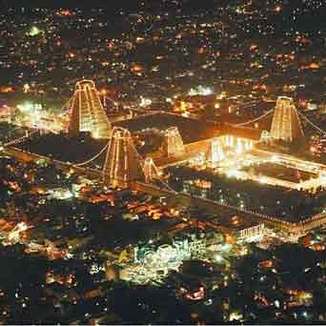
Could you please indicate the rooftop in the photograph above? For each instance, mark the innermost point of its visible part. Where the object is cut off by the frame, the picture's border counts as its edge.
(191, 130)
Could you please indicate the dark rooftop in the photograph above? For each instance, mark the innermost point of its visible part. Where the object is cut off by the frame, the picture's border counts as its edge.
(191, 130)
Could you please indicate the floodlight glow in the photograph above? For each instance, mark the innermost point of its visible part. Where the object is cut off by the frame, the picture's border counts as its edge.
(25, 107)
(34, 31)
(200, 91)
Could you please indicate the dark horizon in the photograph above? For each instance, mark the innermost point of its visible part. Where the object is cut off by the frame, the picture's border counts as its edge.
(108, 5)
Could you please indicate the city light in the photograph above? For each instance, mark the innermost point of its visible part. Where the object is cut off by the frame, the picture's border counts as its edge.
(34, 31)
(200, 91)
(162, 162)
(144, 102)
(26, 107)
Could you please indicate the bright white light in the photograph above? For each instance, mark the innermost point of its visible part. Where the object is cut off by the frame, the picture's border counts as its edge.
(200, 91)
(62, 194)
(233, 173)
(218, 258)
(26, 107)
(34, 31)
(144, 102)
(262, 179)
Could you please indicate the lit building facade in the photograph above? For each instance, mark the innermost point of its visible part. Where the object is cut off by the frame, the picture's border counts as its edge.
(286, 124)
(226, 145)
(87, 112)
(123, 164)
(150, 170)
(173, 144)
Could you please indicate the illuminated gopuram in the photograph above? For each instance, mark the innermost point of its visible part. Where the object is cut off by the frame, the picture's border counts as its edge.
(123, 164)
(265, 137)
(173, 143)
(225, 146)
(151, 172)
(87, 112)
(286, 124)
(217, 151)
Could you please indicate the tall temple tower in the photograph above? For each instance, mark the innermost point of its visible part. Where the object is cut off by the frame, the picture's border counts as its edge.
(123, 164)
(151, 171)
(286, 124)
(173, 143)
(216, 151)
(87, 112)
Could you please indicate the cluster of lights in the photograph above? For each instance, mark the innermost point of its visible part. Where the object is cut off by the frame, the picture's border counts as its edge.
(32, 115)
(222, 147)
(154, 265)
(173, 142)
(200, 91)
(61, 193)
(145, 102)
(34, 31)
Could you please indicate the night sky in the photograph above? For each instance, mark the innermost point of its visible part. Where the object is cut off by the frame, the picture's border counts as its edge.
(309, 20)
(111, 4)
